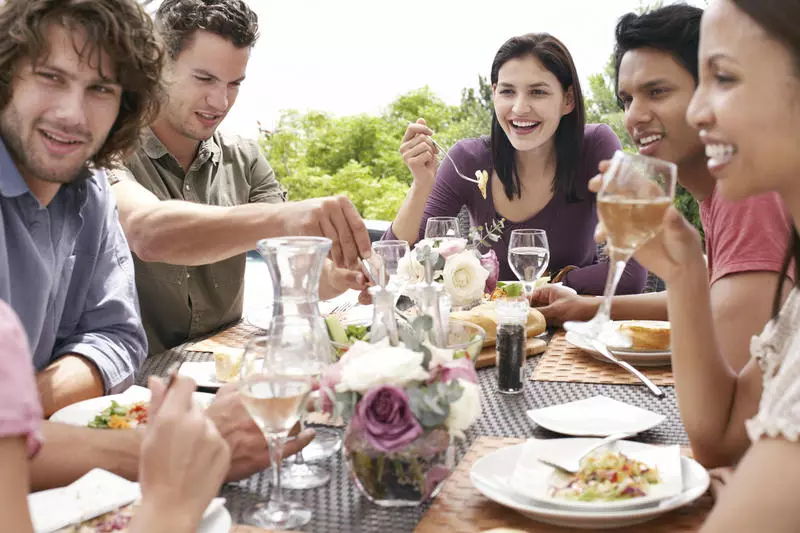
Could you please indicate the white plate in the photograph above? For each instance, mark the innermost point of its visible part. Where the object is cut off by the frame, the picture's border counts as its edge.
(638, 359)
(597, 416)
(533, 479)
(204, 373)
(97, 493)
(81, 413)
(485, 478)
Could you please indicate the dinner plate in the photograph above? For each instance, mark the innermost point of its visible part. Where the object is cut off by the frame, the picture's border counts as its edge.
(485, 476)
(597, 416)
(81, 413)
(636, 358)
(534, 479)
(204, 373)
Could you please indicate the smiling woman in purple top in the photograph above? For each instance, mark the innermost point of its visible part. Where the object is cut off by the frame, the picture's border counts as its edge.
(540, 156)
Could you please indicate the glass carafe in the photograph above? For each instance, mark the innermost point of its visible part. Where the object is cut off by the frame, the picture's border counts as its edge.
(295, 265)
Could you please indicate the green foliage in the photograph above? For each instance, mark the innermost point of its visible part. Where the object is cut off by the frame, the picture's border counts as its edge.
(317, 154)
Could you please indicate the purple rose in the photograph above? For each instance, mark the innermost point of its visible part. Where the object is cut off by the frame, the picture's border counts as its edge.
(489, 262)
(462, 368)
(385, 418)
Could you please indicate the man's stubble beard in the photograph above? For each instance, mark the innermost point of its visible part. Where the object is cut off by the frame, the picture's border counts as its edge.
(10, 126)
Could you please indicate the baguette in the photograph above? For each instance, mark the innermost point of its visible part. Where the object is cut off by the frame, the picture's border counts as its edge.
(647, 334)
(485, 316)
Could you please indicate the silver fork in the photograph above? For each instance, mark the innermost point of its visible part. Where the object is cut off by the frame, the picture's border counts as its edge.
(446, 154)
(573, 464)
(603, 349)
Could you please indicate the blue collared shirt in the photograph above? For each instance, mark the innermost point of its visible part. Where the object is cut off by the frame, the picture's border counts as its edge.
(67, 272)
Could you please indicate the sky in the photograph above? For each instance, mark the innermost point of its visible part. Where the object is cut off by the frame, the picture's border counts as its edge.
(356, 56)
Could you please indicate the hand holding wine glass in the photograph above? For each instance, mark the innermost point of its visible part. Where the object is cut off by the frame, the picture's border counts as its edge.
(528, 256)
(634, 195)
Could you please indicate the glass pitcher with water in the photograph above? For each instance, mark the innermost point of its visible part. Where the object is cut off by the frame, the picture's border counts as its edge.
(295, 265)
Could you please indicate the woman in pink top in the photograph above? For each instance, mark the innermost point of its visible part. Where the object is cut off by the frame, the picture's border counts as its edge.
(184, 458)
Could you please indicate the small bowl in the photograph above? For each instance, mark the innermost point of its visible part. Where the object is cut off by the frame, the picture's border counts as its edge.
(465, 337)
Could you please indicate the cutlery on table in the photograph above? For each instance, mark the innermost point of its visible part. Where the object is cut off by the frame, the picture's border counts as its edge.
(572, 464)
(603, 350)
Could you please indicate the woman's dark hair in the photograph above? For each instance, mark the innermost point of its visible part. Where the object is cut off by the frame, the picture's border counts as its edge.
(178, 20)
(674, 29)
(555, 57)
(779, 19)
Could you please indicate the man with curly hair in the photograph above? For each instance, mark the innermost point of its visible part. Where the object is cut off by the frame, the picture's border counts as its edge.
(192, 200)
(78, 79)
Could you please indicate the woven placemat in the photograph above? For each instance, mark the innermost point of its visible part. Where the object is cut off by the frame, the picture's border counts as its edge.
(565, 362)
(235, 336)
(460, 507)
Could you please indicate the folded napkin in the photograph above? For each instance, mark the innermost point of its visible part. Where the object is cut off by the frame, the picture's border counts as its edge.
(96, 493)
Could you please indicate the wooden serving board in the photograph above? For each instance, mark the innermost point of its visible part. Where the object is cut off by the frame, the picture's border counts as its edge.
(488, 357)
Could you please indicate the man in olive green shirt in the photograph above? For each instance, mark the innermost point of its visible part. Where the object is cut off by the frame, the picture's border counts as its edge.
(192, 201)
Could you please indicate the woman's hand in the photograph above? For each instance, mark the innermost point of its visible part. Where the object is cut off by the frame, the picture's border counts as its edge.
(419, 154)
(673, 250)
(183, 463)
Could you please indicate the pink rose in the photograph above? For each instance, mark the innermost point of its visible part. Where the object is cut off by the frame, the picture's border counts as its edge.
(489, 262)
(462, 368)
(450, 247)
(385, 418)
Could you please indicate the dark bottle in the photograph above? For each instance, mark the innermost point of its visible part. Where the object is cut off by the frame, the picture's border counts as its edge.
(512, 315)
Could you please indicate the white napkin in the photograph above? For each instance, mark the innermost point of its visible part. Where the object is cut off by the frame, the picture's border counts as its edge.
(96, 493)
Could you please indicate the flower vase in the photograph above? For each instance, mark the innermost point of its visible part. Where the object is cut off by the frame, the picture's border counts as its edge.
(403, 478)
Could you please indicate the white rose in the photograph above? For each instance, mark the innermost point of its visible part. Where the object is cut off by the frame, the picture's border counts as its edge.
(382, 365)
(464, 277)
(464, 411)
(411, 269)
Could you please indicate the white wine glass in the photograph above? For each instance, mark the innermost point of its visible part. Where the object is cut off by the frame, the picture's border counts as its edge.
(635, 194)
(441, 228)
(388, 255)
(528, 256)
(304, 339)
(274, 386)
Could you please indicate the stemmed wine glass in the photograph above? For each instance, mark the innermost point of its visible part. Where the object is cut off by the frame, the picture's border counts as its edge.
(276, 379)
(528, 256)
(442, 228)
(388, 255)
(636, 192)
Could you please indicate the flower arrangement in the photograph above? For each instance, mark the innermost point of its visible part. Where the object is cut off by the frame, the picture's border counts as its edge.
(457, 264)
(404, 403)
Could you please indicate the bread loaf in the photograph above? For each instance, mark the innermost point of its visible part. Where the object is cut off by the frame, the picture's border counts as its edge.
(485, 316)
(646, 334)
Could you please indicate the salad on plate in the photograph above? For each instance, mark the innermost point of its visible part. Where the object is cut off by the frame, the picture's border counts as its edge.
(118, 416)
(606, 476)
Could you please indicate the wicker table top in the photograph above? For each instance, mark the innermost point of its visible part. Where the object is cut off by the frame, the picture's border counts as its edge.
(339, 507)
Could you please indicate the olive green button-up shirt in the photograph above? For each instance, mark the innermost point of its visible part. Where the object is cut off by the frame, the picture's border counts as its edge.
(182, 302)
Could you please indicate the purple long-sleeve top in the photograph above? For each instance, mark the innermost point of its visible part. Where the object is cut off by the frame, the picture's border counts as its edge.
(569, 225)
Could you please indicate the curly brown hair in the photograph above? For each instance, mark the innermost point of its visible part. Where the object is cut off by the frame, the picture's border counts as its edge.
(120, 28)
(177, 20)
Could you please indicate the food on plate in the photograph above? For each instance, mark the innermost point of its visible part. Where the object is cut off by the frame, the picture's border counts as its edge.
(646, 334)
(117, 416)
(485, 316)
(228, 363)
(346, 334)
(116, 521)
(607, 476)
(505, 289)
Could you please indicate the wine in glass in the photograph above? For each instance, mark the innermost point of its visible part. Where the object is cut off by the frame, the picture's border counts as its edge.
(528, 256)
(274, 390)
(633, 199)
(304, 339)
